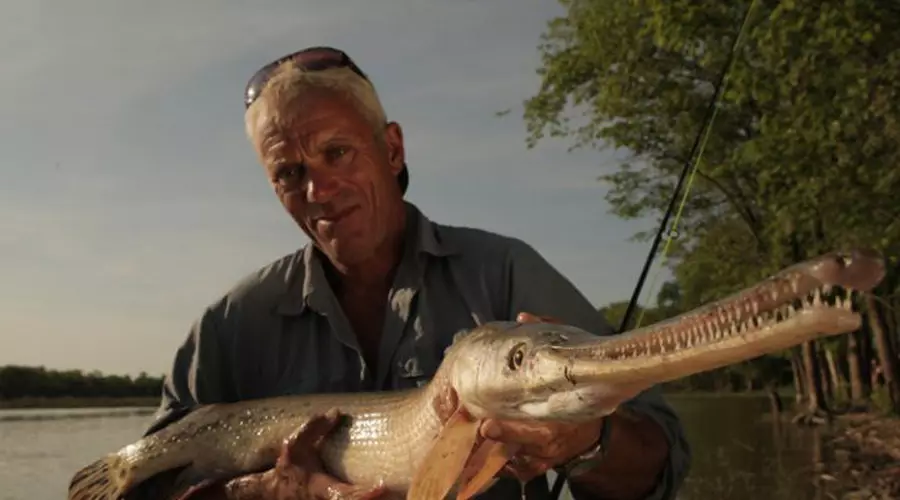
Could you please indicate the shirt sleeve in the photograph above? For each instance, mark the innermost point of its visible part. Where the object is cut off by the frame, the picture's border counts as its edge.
(536, 287)
(194, 378)
(195, 375)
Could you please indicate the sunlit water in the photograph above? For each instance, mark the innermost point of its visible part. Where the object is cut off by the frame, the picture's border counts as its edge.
(738, 455)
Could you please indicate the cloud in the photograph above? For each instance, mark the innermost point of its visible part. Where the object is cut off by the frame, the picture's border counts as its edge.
(131, 198)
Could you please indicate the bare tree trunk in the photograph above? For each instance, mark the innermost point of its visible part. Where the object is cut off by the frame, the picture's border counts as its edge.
(799, 377)
(817, 411)
(867, 358)
(811, 363)
(894, 313)
(886, 356)
(858, 394)
(825, 377)
(775, 403)
(838, 387)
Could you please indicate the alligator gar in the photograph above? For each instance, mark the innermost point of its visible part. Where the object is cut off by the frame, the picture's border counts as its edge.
(502, 370)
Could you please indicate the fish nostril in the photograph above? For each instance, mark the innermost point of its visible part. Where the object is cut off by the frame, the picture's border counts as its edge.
(844, 260)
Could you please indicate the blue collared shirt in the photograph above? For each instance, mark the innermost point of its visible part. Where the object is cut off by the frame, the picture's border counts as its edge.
(281, 330)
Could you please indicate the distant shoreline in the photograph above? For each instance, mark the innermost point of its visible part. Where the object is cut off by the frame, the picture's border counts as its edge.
(152, 402)
(50, 403)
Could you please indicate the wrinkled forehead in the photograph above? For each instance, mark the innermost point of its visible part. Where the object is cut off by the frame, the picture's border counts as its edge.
(309, 118)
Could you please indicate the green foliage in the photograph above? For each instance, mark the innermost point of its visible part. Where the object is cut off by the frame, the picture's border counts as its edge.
(802, 152)
(802, 156)
(38, 382)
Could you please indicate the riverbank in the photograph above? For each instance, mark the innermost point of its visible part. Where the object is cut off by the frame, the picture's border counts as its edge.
(51, 403)
(866, 458)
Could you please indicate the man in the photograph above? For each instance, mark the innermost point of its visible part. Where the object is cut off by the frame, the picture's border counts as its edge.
(374, 300)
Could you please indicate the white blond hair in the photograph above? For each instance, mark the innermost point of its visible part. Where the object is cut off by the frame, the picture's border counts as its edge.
(277, 99)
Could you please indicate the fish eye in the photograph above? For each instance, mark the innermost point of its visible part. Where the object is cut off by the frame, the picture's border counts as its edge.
(516, 356)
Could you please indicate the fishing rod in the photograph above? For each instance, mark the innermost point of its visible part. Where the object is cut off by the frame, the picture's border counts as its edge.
(690, 167)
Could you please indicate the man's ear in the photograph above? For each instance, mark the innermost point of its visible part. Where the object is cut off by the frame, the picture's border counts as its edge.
(393, 140)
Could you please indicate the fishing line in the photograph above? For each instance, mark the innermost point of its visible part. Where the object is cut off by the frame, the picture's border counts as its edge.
(688, 172)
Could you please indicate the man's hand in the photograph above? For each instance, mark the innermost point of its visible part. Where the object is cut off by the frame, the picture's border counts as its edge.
(298, 473)
(638, 448)
(543, 445)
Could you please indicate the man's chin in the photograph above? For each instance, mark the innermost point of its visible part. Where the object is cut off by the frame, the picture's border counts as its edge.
(343, 254)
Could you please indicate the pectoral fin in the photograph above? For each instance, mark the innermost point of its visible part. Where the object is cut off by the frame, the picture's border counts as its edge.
(483, 465)
(446, 459)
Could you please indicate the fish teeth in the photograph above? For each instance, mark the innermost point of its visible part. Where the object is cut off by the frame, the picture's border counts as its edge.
(817, 297)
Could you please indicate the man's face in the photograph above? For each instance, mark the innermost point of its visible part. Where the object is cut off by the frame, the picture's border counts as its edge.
(334, 176)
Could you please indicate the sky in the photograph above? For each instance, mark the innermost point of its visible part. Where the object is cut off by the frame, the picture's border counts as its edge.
(131, 198)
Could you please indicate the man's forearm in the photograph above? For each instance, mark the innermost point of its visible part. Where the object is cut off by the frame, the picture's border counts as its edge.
(635, 456)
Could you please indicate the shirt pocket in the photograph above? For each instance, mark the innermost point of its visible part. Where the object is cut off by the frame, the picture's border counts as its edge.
(417, 357)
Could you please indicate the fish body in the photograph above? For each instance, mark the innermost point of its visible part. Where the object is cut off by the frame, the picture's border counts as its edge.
(504, 370)
(385, 437)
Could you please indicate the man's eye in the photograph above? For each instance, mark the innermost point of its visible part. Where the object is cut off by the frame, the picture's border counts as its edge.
(289, 174)
(335, 153)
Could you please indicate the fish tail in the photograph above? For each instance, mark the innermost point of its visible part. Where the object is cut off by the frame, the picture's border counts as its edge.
(105, 479)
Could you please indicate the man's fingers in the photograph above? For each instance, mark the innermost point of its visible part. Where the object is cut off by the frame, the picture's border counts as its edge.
(311, 433)
(526, 468)
(445, 404)
(538, 440)
(326, 487)
(524, 433)
(526, 317)
(342, 491)
(306, 439)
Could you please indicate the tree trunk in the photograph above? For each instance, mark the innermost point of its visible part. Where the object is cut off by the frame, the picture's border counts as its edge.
(867, 358)
(858, 393)
(775, 402)
(814, 393)
(817, 411)
(827, 381)
(838, 387)
(895, 327)
(799, 377)
(886, 357)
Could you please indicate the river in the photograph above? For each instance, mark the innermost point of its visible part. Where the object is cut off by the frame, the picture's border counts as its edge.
(738, 455)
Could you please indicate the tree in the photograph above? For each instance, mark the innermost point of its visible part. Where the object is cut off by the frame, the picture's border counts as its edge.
(800, 159)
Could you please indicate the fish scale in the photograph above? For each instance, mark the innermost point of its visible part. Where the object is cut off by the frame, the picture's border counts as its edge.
(387, 436)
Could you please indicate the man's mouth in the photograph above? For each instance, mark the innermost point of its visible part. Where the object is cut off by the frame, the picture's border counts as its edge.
(335, 217)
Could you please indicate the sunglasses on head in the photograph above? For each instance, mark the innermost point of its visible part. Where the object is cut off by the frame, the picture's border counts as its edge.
(311, 59)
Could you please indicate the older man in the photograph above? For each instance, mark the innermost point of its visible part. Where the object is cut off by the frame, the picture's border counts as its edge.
(373, 301)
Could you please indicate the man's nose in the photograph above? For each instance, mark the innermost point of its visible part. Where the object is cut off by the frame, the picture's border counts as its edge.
(321, 186)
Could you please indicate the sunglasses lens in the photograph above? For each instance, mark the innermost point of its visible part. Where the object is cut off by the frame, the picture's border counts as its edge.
(315, 59)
